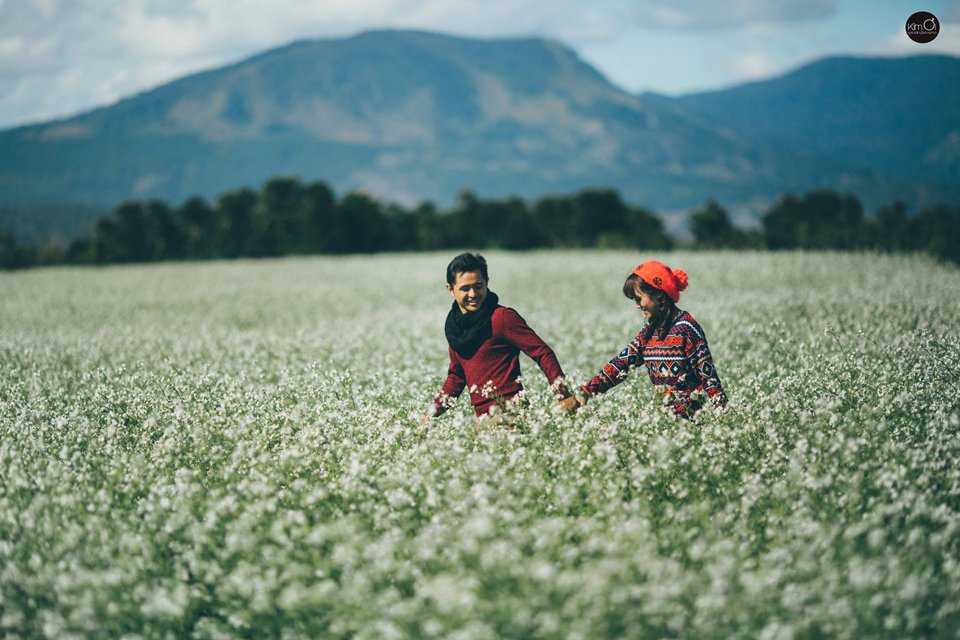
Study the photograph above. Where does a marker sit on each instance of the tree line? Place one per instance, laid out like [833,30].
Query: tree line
[287,216]
[827,220]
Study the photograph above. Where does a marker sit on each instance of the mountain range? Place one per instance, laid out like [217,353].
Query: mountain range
[410,116]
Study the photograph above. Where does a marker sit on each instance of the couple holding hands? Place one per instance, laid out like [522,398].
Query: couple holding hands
[485,341]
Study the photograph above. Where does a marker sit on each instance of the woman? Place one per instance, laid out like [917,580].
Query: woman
[671,344]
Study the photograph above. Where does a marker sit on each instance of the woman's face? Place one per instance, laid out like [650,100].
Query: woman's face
[646,303]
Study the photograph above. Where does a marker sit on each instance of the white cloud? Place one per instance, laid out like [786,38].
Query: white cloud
[753,65]
[569,20]
[898,44]
[732,14]
[952,13]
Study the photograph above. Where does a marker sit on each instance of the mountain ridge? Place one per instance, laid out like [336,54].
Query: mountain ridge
[849,100]
[413,116]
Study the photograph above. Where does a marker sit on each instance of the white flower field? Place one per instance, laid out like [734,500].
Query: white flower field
[231,450]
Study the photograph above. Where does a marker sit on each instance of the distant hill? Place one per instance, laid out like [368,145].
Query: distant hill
[900,116]
[40,223]
[411,116]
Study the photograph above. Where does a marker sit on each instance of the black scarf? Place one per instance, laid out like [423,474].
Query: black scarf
[467,331]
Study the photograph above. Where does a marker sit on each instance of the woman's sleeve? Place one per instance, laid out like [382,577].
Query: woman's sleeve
[617,369]
[700,364]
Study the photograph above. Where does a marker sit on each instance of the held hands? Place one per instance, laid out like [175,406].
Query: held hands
[568,404]
[432,411]
[574,401]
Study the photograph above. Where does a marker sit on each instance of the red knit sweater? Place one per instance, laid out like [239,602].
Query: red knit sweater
[497,362]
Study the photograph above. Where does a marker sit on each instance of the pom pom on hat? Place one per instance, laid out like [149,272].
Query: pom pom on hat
[658,275]
[682,278]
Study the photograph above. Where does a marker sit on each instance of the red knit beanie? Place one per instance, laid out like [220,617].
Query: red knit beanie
[656,274]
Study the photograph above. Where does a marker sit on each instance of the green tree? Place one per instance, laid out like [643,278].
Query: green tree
[586,218]
[554,215]
[324,233]
[711,227]
[599,212]
[201,229]
[134,235]
[937,231]
[818,220]
[362,219]
[644,230]
[108,241]
[504,224]
[167,242]
[431,227]
[81,251]
[13,255]
[889,229]
[237,210]
[283,206]
[400,228]
[465,224]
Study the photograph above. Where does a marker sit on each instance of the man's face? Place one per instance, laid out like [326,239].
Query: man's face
[469,290]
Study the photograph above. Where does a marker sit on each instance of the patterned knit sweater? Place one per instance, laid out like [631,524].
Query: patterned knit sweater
[679,364]
[496,364]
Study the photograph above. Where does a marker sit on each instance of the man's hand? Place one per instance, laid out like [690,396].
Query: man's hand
[573,402]
[432,411]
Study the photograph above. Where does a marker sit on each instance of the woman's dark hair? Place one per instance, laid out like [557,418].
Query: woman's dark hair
[666,307]
[466,262]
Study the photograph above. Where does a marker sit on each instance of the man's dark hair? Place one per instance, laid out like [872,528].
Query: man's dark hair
[464,263]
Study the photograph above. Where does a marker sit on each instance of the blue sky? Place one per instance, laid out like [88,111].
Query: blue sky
[60,57]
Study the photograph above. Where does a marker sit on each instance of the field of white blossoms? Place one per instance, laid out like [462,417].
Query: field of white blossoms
[230,450]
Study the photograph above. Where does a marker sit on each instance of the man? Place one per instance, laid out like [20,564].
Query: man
[485,341]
